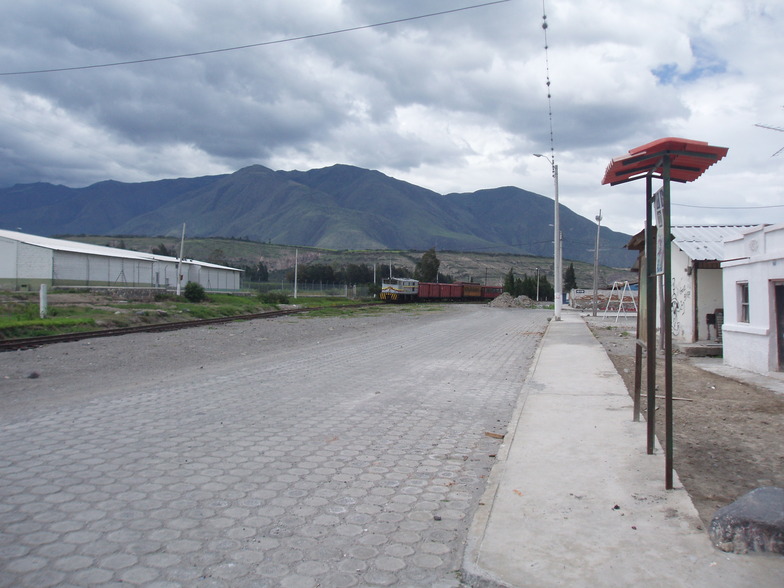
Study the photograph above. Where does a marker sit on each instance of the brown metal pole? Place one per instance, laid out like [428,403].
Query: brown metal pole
[667,328]
[651,298]
[637,378]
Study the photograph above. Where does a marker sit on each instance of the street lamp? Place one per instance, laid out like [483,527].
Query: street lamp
[596,262]
[557,242]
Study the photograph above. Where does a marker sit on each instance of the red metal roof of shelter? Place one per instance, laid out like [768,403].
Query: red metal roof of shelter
[689,159]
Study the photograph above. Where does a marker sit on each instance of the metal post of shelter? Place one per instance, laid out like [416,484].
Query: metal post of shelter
[669,159]
[667,327]
[650,325]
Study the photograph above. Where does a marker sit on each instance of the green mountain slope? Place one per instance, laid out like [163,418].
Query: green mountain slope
[338,207]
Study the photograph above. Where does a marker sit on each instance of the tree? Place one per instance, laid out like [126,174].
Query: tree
[163,250]
[509,282]
[546,289]
[256,273]
[570,280]
[427,268]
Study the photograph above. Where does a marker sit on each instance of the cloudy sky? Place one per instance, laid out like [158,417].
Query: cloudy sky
[455,102]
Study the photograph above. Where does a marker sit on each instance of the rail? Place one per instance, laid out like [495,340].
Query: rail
[31,342]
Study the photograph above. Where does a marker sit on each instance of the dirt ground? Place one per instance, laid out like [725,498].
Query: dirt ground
[727,434]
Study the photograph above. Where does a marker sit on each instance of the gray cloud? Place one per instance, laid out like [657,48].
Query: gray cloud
[455,102]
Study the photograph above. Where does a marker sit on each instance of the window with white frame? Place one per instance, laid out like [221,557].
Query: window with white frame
[743,302]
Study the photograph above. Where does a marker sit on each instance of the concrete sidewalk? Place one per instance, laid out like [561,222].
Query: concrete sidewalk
[574,500]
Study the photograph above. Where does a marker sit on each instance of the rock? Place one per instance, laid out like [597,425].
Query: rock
[505,300]
[502,301]
[754,522]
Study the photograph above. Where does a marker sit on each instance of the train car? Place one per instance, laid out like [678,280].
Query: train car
[434,291]
[407,290]
[491,292]
[429,291]
[399,290]
[471,291]
[451,291]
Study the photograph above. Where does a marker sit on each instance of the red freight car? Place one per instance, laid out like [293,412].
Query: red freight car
[428,290]
[491,292]
[433,291]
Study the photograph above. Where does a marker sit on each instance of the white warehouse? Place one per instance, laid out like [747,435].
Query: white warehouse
[27,261]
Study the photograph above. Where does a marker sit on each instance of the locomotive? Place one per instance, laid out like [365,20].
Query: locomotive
[409,290]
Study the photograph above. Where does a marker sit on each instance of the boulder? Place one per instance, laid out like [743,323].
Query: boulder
[754,522]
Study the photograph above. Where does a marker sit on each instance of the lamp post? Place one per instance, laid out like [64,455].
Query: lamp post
[557,243]
[596,262]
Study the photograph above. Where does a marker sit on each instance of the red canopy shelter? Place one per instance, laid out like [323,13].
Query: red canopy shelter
[688,160]
[668,159]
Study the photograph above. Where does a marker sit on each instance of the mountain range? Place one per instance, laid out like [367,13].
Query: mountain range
[338,207]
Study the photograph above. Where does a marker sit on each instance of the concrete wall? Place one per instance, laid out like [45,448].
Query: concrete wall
[759,256]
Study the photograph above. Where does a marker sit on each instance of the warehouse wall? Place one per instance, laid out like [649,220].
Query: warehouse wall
[23,266]
[84,269]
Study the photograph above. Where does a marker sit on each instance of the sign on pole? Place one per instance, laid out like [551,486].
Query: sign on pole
[658,204]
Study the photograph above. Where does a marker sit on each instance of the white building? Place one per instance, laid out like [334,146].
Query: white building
[754,299]
[27,261]
[697,254]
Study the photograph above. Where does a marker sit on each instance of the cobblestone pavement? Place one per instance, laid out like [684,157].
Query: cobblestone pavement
[349,457]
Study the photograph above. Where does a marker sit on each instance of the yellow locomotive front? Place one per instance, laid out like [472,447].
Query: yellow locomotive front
[399,289]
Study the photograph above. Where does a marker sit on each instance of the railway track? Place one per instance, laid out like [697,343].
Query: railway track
[31,342]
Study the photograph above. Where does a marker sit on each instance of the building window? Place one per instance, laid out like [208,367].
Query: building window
[743,302]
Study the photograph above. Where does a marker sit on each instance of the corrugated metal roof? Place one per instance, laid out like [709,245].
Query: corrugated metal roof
[87,248]
[705,243]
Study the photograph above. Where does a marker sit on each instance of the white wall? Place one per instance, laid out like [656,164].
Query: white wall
[8,250]
[759,255]
[709,297]
[26,265]
[695,292]
[682,297]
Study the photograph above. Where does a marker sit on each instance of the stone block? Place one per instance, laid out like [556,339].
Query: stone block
[753,523]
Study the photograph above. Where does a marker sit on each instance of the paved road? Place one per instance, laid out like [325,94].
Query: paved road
[351,455]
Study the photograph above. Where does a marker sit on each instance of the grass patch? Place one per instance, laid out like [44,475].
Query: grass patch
[19,317]
[38,327]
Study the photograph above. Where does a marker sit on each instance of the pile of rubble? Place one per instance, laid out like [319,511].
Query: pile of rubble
[505,300]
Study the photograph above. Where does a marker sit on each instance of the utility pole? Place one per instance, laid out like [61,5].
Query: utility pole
[296,269]
[596,262]
[179,263]
[556,241]
[537,284]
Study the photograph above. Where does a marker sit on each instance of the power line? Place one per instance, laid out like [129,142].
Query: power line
[729,207]
[253,45]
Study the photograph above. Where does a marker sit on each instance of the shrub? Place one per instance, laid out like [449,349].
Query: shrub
[194,292]
[273,298]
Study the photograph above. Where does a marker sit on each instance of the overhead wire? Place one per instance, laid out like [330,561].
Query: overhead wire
[253,45]
[729,207]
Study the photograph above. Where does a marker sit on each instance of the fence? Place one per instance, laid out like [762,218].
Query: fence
[311,289]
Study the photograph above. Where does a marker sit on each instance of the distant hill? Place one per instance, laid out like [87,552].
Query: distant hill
[339,207]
